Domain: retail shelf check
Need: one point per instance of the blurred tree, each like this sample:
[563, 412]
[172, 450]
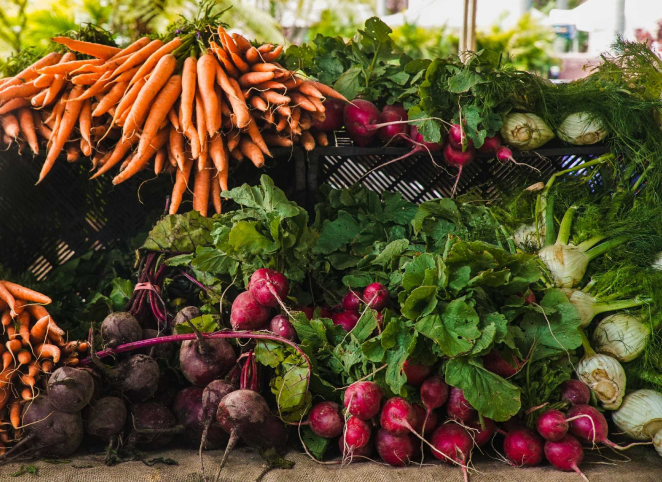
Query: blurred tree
[330, 25]
[419, 42]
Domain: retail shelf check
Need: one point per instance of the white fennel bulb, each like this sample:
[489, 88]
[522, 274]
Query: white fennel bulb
[640, 415]
[525, 131]
[605, 376]
[657, 440]
[588, 305]
[566, 263]
[526, 237]
[581, 129]
[622, 336]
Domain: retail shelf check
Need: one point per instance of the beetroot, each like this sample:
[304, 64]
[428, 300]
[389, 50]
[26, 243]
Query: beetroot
[153, 426]
[565, 454]
[359, 454]
[552, 425]
[162, 351]
[458, 407]
[358, 116]
[70, 389]
[376, 296]
[452, 444]
[333, 120]
[52, 432]
[496, 363]
[203, 360]
[211, 397]
[351, 301]
[186, 314]
[346, 319]
[119, 328]
[356, 433]
[326, 420]
[490, 144]
[363, 399]
[481, 435]
[425, 422]
[280, 325]
[523, 447]
[105, 418]
[395, 450]
[188, 408]
[393, 132]
[398, 416]
[416, 374]
[269, 287]
[420, 144]
[137, 377]
[575, 392]
[247, 313]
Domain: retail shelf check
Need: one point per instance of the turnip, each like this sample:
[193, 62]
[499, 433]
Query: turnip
[395, 450]
[458, 407]
[105, 418]
[565, 454]
[590, 425]
[393, 130]
[70, 389]
[280, 325]
[457, 137]
[575, 392]
[426, 421]
[163, 351]
[416, 373]
[363, 399]
[203, 360]
[361, 453]
[398, 416]
[457, 158]
[490, 144]
[137, 377]
[351, 301]
[523, 447]
[333, 121]
[269, 287]
[119, 328]
[247, 313]
[452, 444]
[356, 433]
[496, 363]
[153, 426]
[346, 319]
[188, 408]
[358, 117]
[482, 433]
[376, 296]
[326, 420]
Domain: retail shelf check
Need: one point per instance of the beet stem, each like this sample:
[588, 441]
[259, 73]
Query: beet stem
[193, 280]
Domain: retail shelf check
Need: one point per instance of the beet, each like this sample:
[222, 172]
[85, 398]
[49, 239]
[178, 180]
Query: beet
[434, 392]
[351, 301]
[420, 142]
[395, 450]
[490, 144]
[162, 351]
[247, 313]
[356, 454]
[137, 377]
[458, 407]
[398, 416]
[187, 407]
[523, 447]
[280, 325]
[205, 360]
[211, 397]
[459, 159]
[268, 287]
[457, 136]
[575, 392]
[119, 328]
[105, 418]
[333, 121]
[363, 399]
[552, 425]
[376, 296]
[326, 420]
[186, 314]
[153, 426]
[392, 133]
[70, 389]
[52, 432]
[588, 424]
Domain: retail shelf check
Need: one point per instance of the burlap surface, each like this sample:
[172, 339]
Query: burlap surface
[245, 466]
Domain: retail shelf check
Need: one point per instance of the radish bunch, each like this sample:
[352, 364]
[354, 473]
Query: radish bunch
[374, 296]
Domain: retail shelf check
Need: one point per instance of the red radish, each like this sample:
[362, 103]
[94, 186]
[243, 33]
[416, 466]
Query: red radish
[308, 311]
[458, 407]
[523, 447]
[589, 424]
[452, 444]
[376, 296]
[552, 425]
[395, 450]
[490, 144]
[280, 325]
[268, 287]
[416, 373]
[457, 137]
[351, 301]
[361, 453]
[392, 115]
[326, 420]
[356, 433]
[363, 399]
[566, 454]
[333, 120]
[530, 298]
[503, 154]
[419, 141]
[247, 313]
[346, 319]
[496, 363]
[326, 313]
[434, 392]
[358, 116]
[459, 159]
[511, 424]
[575, 392]
[481, 435]
[425, 422]
[398, 416]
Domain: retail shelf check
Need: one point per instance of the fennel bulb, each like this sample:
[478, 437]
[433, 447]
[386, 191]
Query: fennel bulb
[640, 415]
[581, 129]
[588, 305]
[525, 131]
[605, 376]
[622, 336]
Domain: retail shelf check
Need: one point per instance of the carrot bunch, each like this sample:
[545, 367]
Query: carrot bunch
[33, 346]
[127, 108]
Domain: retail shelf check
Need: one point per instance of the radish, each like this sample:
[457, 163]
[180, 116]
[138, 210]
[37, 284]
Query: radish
[511, 424]
[392, 115]
[552, 425]
[425, 422]
[363, 399]
[459, 159]
[490, 144]
[395, 450]
[359, 116]
[351, 301]
[247, 313]
[457, 137]
[496, 363]
[575, 392]
[458, 407]
[523, 447]
[280, 325]
[434, 392]
[482, 434]
[565, 454]
[590, 425]
[346, 319]
[361, 453]
[503, 154]
[398, 416]
[269, 287]
[376, 296]
[452, 444]
[333, 120]
[326, 420]
[356, 434]
[416, 374]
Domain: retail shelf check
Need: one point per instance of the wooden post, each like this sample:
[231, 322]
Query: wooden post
[463, 31]
[471, 41]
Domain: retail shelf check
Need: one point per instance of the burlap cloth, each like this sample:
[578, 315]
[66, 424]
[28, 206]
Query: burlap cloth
[245, 466]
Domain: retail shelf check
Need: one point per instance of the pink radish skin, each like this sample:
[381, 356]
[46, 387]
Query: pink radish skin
[523, 447]
[308, 311]
[280, 325]
[356, 455]
[589, 424]
[326, 420]
[452, 444]
[496, 363]
[363, 399]
[458, 407]
[417, 138]
[575, 392]
[247, 313]
[395, 450]
[552, 425]
[503, 154]
[416, 374]
[481, 435]
[392, 133]
[457, 137]
[490, 144]
[434, 392]
[511, 424]
[459, 159]
[333, 121]
[356, 433]
[566, 454]
[268, 287]
[351, 301]
[425, 422]
[346, 319]
[376, 296]
[358, 116]
[398, 416]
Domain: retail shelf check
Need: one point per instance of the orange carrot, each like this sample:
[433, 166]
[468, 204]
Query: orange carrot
[27, 394]
[88, 48]
[307, 141]
[159, 160]
[126, 76]
[282, 124]
[193, 137]
[201, 128]
[173, 118]
[242, 66]
[46, 350]
[252, 55]
[236, 98]
[273, 55]
[24, 357]
[18, 103]
[59, 83]
[284, 110]
[28, 381]
[26, 123]
[118, 153]
[26, 294]
[38, 312]
[110, 99]
[139, 161]
[139, 57]
[87, 79]
[275, 98]
[68, 65]
[189, 83]
[327, 91]
[6, 318]
[43, 81]
[201, 190]
[39, 329]
[309, 89]
[85, 124]
[207, 66]
[264, 48]
[32, 72]
[225, 60]
[176, 145]
[253, 78]
[250, 150]
[153, 59]
[7, 297]
[181, 182]
[127, 101]
[302, 101]
[275, 140]
[215, 194]
[271, 84]
[14, 346]
[7, 359]
[42, 129]
[256, 137]
[218, 154]
[15, 414]
[258, 103]
[134, 47]
[20, 90]
[24, 328]
[47, 366]
[236, 154]
[242, 44]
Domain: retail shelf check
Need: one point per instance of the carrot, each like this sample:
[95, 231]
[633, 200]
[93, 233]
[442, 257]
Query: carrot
[242, 66]
[275, 98]
[252, 55]
[139, 57]
[24, 357]
[127, 101]
[39, 329]
[71, 362]
[327, 91]
[153, 58]
[258, 103]
[238, 103]
[201, 128]
[34, 369]
[294, 120]
[47, 366]
[110, 99]
[6, 318]
[26, 123]
[85, 124]
[14, 346]
[73, 152]
[159, 160]
[139, 161]
[46, 350]
[27, 394]
[24, 328]
[11, 332]
[218, 154]
[173, 117]
[36, 101]
[88, 48]
[20, 90]
[256, 137]
[7, 359]
[201, 190]
[87, 79]
[292, 83]
[56, 87]
[225, 60]
[254, 78]
[307, 141]
[68, 65]
[27, 294]
[189, 82]
[32, 72]
[250, 150]
[273, 55]
[181, 182]
[282, 124]
[118, 153]
[269, 117]
[42, 129]
[271, 84]
[134, 47]
[319, 107]
[176, 145]
[233, 139]
[305, 121]
[7, 297]
[43, 81]
[192, 135]
[15, 414]
[242, 44]
[126, 76]
[275, 140]
[27, 380]
[236, 154]
[38, 312]
[215, 189]
[127, 161]
[284, 110]
[264, 48]
[309, 89]
[162, 72]
[207, 66]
